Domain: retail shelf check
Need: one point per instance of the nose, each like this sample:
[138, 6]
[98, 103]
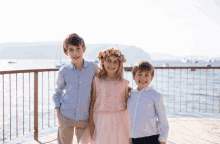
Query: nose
[111, 64]
[74, 52]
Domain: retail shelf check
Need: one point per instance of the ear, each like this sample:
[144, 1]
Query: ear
[84, 49]
[66, 53]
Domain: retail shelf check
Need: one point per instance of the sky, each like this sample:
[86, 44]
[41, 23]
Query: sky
[176, 27]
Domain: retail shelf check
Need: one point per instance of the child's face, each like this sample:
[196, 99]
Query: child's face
[143, 79]
[111, 64]
[75, 53]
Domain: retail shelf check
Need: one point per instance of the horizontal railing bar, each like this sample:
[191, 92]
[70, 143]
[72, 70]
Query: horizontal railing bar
[130, 68]
[27, 71]
[187, 67]
[125, 68]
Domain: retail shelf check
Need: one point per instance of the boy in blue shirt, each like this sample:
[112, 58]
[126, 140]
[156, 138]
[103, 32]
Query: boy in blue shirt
[73, 91]
[146, 109]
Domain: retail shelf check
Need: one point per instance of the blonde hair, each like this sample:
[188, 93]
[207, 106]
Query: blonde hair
[103, 55]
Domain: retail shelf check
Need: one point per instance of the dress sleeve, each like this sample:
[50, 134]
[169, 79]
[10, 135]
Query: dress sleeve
[60, 86]
[163, 125]
[96, 69]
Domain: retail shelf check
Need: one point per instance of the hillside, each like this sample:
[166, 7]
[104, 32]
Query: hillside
[53, 50]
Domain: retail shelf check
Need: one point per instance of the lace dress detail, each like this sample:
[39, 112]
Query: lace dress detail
[110, 95]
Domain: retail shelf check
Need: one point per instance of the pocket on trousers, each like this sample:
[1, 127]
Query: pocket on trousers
[62, 119]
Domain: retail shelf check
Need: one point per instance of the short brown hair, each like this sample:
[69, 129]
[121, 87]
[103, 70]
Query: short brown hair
[143, 65]
[72, 39]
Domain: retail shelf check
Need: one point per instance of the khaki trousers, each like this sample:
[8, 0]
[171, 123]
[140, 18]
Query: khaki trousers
[66, 129]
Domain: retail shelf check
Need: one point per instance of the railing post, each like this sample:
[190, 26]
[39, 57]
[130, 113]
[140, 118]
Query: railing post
[35, 105]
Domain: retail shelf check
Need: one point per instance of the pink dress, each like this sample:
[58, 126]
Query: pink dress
[112, 124]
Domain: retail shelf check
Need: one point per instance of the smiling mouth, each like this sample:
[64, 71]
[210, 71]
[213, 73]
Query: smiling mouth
[75, 57]
[111, 68]
[142, 81]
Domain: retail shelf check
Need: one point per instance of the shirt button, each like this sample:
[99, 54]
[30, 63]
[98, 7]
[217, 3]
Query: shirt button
[79, 91]
[80, 82]
[79, 100]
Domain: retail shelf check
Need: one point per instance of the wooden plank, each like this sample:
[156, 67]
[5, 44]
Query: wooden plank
[182, 131]
[36, 105]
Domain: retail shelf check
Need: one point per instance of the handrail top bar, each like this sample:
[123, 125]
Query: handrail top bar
[28, 70]
[125, 68]
[204, 67]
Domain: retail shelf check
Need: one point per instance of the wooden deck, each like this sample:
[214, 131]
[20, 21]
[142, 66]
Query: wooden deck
[182, 131]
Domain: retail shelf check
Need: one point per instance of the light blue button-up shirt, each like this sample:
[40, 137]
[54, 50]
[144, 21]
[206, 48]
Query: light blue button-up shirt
[73, 90]
[147, 114]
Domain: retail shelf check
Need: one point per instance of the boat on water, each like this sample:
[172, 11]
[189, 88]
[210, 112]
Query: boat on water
[166, 65]
[129, 65]
[12, 62]
[58, 57]
[185, 60]
[208, 60]
[208, 65]
[194, 61]
[191, 69]
[213, 60]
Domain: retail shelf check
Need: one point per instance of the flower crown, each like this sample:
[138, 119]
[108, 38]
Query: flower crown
[102, 55]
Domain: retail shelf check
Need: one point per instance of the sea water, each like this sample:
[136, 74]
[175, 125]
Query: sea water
[185, 94]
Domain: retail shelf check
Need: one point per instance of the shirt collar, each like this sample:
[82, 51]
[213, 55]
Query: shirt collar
[85, 64]
[144, 89]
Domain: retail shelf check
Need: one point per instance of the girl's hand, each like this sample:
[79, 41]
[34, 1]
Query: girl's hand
[162, 142]
[129, 89]
[92, 130]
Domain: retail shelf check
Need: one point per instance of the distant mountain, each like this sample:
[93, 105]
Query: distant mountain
[131, 53]
[36, 50]
[53, 50]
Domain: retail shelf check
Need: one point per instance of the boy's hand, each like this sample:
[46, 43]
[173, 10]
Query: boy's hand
[58, 111]
[162, 142]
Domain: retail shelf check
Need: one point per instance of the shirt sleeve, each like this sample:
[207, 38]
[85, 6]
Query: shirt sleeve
[60, 85]
[163, 125]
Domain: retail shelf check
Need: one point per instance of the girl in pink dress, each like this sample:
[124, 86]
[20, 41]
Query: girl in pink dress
[108, 120]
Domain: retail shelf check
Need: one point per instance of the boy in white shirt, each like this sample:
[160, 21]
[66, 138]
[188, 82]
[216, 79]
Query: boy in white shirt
[146, 109]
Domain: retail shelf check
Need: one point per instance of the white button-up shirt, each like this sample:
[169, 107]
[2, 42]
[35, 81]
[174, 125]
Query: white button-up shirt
[147, 114]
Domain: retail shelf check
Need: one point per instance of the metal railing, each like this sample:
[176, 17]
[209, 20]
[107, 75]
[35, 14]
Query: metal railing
[26, 95]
